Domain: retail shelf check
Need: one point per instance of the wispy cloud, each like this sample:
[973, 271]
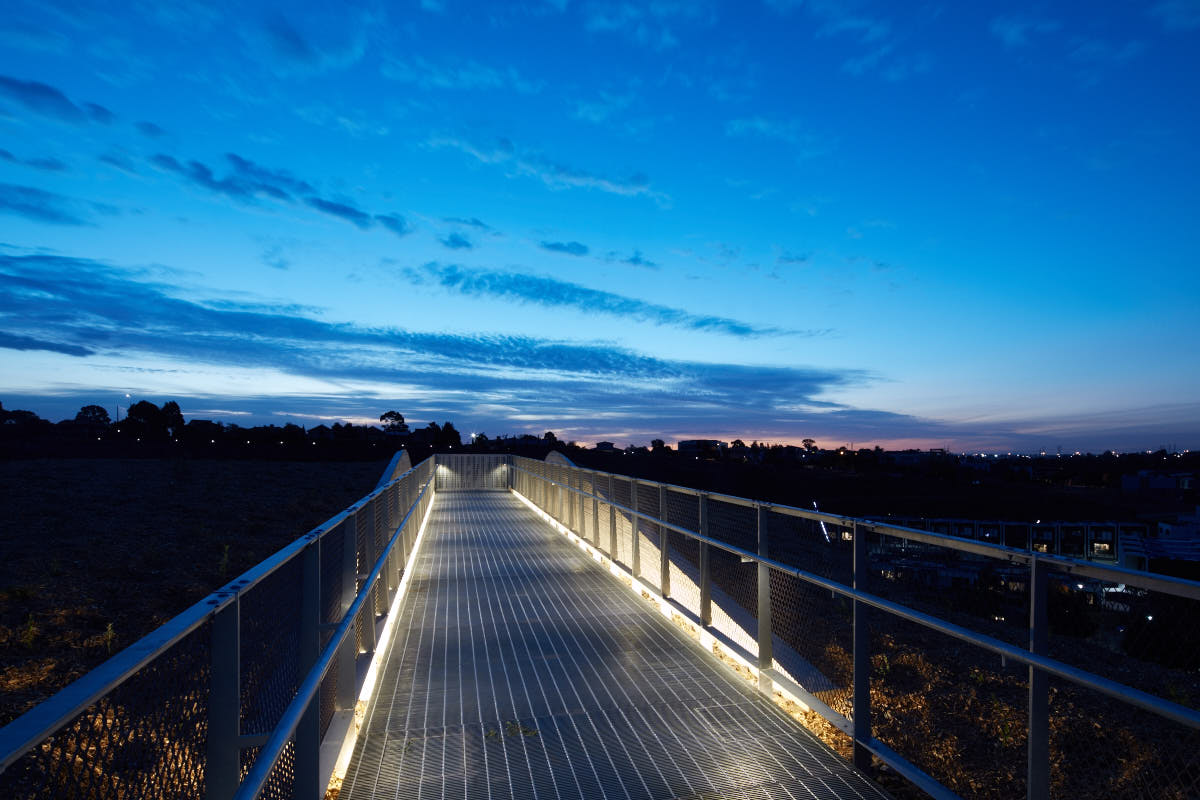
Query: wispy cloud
[554, 293]
[394, 223]
[273, 257]
[603, 108]
[461, 75]
[553, 174]
[246, 179]
[43, 163]
[807, 144]
[787, 257]
[570, 248]
[456, 241]
[14, 342]
[1019, 31]
[471, 222]
[87, 305]
[119, 160]
[41, 98]
[150, 130]
[40, 205]
[111, 318]
[1178, 15]
[638, 260]
[355, 216]
[330, 42]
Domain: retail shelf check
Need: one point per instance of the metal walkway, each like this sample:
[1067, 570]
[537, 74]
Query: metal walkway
[520, 668]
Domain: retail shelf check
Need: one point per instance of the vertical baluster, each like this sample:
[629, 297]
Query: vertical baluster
[862, 654]
[1038, 775]
[664, 552]
[223, 765]
[705, 570]
[765, 650]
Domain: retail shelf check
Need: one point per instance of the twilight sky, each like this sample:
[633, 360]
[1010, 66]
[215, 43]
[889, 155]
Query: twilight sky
[970, 225]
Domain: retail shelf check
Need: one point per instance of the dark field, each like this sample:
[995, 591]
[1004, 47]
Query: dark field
[95, 553]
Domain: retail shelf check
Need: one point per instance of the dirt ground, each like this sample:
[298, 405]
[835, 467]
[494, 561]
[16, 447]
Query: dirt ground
[96, 553]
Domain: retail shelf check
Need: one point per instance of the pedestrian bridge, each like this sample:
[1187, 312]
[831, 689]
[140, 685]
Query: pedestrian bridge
[486, 626]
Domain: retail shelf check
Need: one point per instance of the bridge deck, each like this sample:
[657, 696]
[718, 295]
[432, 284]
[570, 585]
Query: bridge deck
[520, 668]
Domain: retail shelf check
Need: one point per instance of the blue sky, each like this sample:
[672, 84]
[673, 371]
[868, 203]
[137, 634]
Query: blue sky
[934, 225]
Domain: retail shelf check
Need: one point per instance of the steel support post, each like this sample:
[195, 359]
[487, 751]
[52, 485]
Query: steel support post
[636, 567]
[223, 764]
[595, 514]
[705, 568]
[308, 733]
[765, 650]
[862, 655]
[571, 521]
[348, 652]
[612, 521]
[664, 551]
[365, 563]
[1038, 776]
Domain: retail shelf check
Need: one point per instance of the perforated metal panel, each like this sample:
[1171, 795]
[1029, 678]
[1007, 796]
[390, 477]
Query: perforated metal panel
[470, 472]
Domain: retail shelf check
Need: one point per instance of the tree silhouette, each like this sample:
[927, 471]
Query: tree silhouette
[449, 436]
[146, 420]
[93, 415]
[809, 444]
[393, 422]
[173, 417]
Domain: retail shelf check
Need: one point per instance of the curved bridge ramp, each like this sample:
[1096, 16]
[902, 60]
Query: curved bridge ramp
[520, 668]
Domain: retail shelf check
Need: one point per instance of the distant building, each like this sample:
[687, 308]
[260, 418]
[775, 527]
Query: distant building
[605, 447]
[702, 448]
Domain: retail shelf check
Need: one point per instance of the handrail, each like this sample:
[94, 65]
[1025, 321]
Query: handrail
[45, 719]
[1169, 584]
[264, 763]
[1166, 708]
[1039, 664]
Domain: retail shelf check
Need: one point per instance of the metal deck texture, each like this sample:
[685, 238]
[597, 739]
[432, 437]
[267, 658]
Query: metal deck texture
[521, 668]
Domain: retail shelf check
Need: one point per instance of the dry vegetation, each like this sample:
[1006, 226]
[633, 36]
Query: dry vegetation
[99, 552]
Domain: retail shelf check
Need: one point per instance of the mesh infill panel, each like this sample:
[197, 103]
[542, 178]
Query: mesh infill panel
[953, 709]
[145, 739]
[470, 472]
[814, 639]
[270, 633]
[1100, 747]
[331, 610]
[1143, 638]
[988, 595]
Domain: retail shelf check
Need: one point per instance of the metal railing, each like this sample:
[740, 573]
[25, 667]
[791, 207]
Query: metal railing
[969, 668]
[236, 694]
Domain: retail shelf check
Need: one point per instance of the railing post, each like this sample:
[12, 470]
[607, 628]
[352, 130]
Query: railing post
[705, 568]
[368, 560]
[223, 765]
[1037, 786]
[570, 501]
[765, 650]
[348, 653]
[595, 512]
[862, 655]
[308, 733]
[636, 566]
[664, 552]
[612, 522]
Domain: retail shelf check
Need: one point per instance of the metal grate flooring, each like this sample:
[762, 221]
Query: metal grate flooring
[522, 669]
